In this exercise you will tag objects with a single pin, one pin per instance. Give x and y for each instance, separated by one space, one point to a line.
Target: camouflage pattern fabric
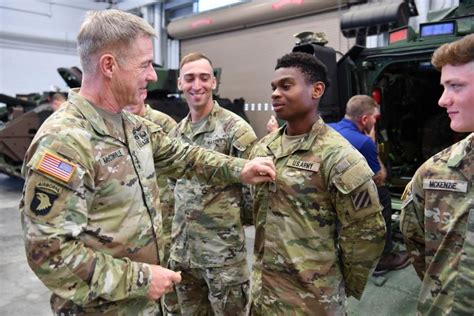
438 225
166 195
319 229
224 289
90 206
167 123
207 231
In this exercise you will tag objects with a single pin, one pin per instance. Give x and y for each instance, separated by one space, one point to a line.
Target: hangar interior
242 38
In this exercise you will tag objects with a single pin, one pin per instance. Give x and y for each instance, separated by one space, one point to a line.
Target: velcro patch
445 185
42 201
361 200
301 164
105 159
57 167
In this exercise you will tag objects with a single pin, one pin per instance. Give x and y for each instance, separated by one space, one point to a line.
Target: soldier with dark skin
90 204
437 218
319 229
208 240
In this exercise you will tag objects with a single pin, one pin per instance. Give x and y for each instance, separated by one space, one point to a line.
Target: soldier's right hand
162 281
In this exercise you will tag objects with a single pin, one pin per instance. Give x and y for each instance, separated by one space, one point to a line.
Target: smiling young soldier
438 204
304 264
208 242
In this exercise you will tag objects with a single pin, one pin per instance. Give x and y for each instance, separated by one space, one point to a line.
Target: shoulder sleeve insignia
42 201
56 167
361 200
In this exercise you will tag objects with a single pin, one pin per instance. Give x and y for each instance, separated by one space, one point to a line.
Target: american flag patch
56 167
361 200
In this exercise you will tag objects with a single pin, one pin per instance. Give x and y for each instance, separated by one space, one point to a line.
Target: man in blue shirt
361 115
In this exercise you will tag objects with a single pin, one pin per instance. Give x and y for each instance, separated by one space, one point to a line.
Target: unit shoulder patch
45 194
361 200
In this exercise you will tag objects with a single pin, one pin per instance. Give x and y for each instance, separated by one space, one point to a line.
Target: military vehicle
399 76
21 116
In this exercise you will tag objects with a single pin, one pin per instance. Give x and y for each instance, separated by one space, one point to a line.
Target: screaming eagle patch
44 198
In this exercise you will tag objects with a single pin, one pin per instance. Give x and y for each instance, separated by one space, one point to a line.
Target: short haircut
360 105
311 67
193 57
111 30
459 52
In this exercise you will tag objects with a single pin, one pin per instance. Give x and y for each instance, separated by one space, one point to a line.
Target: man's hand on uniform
272 124
162 281
257 170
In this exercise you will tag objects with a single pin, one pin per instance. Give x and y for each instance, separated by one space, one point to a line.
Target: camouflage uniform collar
88 111
305 144
460 150
209 126
147 113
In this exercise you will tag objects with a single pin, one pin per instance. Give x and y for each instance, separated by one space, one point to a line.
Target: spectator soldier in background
304 264
208 241
438 204
356 126
90 207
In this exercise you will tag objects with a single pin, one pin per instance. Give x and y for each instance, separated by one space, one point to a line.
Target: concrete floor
21 293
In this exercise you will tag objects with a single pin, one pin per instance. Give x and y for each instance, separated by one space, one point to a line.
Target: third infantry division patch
361 200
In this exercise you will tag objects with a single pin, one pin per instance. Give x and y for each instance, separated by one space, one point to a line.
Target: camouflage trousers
213 291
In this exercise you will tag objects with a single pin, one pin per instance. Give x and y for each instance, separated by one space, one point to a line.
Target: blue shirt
363 143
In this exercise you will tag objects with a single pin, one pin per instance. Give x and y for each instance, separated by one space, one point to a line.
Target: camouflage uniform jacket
207 229
166 195
304 264
438 225
89 206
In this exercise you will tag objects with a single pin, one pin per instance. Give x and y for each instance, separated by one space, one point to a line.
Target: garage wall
248 56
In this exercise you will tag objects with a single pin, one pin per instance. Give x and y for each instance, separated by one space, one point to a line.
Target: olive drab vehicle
399 76
21 116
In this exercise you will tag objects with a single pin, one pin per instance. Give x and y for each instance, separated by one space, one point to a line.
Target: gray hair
360 105
112 30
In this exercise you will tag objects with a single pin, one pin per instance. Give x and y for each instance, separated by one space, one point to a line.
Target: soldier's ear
318 89
214 83
107 65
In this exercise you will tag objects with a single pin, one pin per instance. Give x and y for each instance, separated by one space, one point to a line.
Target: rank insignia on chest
57 167
141 137
305 165
445 185
361 200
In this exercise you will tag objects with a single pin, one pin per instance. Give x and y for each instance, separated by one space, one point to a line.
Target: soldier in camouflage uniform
167 123
90 205
438 204
319 229
208 241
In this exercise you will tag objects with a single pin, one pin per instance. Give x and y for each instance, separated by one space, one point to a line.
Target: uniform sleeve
176 159
412 223
54 211
362 232
241 147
